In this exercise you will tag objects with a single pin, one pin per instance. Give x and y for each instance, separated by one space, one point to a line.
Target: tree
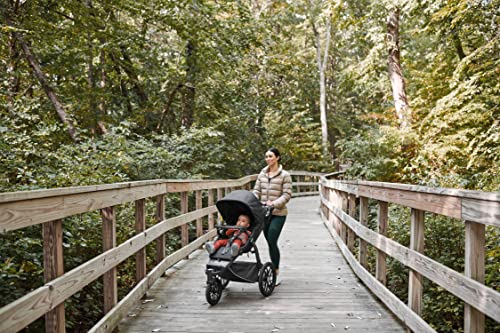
395 70
321 62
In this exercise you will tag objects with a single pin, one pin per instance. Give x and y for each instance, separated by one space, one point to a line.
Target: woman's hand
269 203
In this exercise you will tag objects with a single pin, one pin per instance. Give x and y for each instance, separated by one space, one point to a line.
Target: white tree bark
322 63
395 71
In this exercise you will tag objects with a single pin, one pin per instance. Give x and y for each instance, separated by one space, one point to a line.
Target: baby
243 221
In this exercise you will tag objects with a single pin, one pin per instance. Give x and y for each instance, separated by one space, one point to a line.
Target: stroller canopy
241 202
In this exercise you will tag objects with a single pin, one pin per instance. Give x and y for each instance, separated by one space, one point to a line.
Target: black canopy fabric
241 202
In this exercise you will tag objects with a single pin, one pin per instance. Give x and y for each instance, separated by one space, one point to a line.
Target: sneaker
278 280
235 249
209 246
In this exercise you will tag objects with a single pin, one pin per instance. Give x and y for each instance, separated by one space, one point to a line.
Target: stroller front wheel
267 279
224 282
213 291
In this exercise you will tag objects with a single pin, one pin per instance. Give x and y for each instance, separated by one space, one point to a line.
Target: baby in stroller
245 218
236 237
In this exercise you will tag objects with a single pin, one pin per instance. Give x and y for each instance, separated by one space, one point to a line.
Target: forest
96 92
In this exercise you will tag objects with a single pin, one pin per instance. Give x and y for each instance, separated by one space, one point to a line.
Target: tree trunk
102 84
395 71
45 84
13 77
187 117
167 106
322 81
134 79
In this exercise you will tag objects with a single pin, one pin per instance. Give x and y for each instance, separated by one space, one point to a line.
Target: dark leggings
272 232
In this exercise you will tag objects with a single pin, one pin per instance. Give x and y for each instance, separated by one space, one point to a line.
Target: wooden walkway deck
319 293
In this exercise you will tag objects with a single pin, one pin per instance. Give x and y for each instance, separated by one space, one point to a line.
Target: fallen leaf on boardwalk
333 325
156 330
359 317
147 301
346 328
278 327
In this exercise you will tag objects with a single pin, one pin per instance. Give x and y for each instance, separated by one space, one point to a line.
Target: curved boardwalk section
319 292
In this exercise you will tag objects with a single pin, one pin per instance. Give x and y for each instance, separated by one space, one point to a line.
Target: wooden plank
474 268
300 184
410 319
363 219
15 215
199 205
486 212
184 227
55 192
160 216
350 187
304 194
470 291
111 319
110 283
479 195
415 280
27 309
176 185
140 226
434 203
318 289
53 265
305 173
382 219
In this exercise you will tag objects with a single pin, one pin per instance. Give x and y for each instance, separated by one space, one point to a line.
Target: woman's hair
276 153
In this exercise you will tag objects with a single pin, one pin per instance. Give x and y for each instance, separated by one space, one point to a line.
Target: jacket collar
266 169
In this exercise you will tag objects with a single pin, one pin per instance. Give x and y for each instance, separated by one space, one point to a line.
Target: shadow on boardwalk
319 292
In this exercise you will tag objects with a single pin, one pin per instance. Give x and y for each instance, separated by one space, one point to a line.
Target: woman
274 188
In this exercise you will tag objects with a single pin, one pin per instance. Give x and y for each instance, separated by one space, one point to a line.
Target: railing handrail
476 209
49 207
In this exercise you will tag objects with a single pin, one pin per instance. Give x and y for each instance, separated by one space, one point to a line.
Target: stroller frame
222 266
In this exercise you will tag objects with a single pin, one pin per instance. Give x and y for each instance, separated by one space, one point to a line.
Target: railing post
343 227
474 321
53 265
109 280
160 216
383 215
415 281
184 227
199 222
352 213
140 226
363 219
211 219
220 195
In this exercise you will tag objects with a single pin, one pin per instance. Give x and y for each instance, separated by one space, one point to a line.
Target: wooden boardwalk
319 293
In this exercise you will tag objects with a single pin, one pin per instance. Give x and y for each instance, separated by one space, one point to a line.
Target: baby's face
243 221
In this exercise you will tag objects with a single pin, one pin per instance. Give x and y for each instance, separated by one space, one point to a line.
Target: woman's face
271 159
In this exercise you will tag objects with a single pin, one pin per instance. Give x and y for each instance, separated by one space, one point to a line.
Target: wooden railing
50 207
339 203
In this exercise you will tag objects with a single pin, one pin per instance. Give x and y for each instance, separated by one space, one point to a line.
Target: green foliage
187 89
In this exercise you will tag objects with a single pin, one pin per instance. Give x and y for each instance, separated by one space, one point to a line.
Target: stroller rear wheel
213 291
267 278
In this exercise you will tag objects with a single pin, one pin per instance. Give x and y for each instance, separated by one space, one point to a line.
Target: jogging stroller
222 266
